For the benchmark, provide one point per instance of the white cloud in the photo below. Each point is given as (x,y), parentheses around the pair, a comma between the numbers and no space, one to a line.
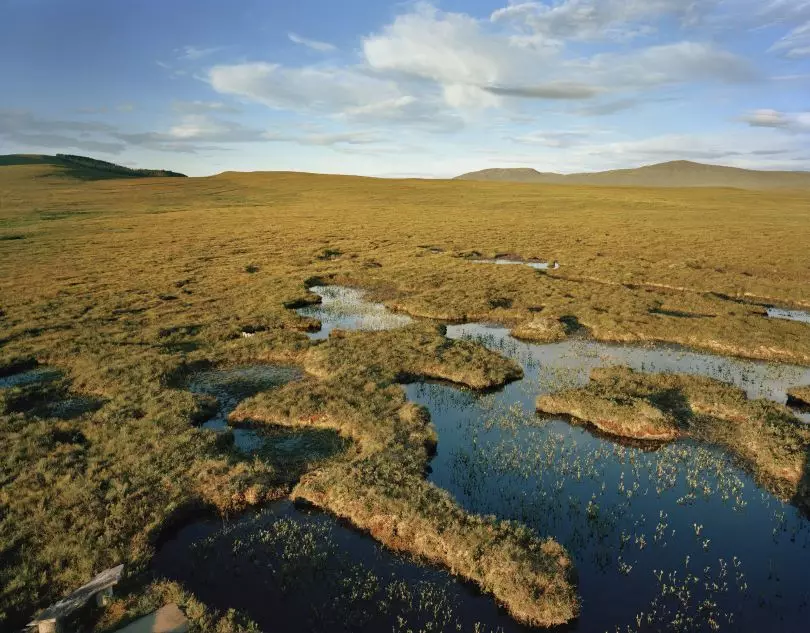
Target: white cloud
(476,65)
(677,63)
(729,148)
(426,113)
(325,139)
(555,139)
(193,53)
(202,107)
(796,44)
(345,93)
(552,90)
(309,88)
(456,52)
(21,128)
(321,47)
(792,122)
(599,19)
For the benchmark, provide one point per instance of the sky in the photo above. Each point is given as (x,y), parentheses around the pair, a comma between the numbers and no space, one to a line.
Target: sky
(414,89)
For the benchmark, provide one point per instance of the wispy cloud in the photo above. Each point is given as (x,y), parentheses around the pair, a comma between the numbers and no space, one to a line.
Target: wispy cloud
(192,53)
(315,45)
(791,122)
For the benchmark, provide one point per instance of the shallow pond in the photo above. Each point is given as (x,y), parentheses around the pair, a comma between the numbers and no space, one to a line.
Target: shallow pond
(790,315)
(232,385)
(294,569)
(676,539)
(43,400)
(518,262)
(30,377)
(673,539)
(345,309)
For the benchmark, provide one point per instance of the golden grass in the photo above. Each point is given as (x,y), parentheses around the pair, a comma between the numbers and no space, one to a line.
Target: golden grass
(799,396)
(123,283)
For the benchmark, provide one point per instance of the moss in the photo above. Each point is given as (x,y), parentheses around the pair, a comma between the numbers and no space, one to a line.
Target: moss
(416,351)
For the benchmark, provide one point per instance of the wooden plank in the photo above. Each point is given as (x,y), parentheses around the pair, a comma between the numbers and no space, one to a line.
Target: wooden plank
(79,598)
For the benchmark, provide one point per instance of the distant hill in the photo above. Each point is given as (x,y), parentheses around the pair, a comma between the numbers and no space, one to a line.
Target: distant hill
(82,167)
(681,173)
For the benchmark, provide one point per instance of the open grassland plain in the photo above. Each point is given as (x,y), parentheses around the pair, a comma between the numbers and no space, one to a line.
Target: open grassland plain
(124,289)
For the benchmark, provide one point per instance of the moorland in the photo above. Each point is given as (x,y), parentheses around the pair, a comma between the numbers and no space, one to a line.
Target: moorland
(126,286)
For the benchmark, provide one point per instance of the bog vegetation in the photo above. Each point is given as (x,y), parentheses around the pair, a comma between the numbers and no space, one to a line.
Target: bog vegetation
(119,289)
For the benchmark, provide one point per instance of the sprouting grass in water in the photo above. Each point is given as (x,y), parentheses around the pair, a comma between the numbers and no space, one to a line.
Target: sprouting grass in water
(310,581)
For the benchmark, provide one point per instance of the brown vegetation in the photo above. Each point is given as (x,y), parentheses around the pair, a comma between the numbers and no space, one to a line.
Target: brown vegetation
(799,396)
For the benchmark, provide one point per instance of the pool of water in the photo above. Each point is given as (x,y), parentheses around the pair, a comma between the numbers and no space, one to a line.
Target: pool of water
(232,385)
(293,569)
(790,315)
(30,377)
(519,262)
(345,309)
(568,363)
(679,534)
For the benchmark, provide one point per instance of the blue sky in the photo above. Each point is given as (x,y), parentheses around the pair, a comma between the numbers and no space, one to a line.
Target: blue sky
(427,89)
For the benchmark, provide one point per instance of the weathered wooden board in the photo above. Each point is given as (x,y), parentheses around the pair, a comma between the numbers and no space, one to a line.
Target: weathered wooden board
(78,598)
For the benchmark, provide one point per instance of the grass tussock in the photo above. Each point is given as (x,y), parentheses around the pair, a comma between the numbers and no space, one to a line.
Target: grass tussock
(379,483)
(799,396)
(765,436)
(540,330)
(420,351)
(201,618)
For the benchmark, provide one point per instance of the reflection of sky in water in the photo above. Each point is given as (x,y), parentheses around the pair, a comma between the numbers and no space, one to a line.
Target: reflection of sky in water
(517,262)
(790,315)
(569,363)
(43,374)
(230,386)
(627,515)
(345,309)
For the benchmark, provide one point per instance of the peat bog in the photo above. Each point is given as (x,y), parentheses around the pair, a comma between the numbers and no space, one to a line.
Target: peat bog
(178,380)
(656,531)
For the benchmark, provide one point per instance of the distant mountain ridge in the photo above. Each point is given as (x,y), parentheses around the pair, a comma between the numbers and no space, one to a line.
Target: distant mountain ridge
(84,167)
(680,173)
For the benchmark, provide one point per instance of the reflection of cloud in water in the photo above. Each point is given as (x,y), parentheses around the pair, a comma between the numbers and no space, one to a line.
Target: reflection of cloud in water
(232,385)
(518,262)
(568,363)
(641,525)
(790,315)
(345,309)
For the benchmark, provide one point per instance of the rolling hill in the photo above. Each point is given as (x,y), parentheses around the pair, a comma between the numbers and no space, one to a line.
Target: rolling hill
(680,173)
(78,167)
